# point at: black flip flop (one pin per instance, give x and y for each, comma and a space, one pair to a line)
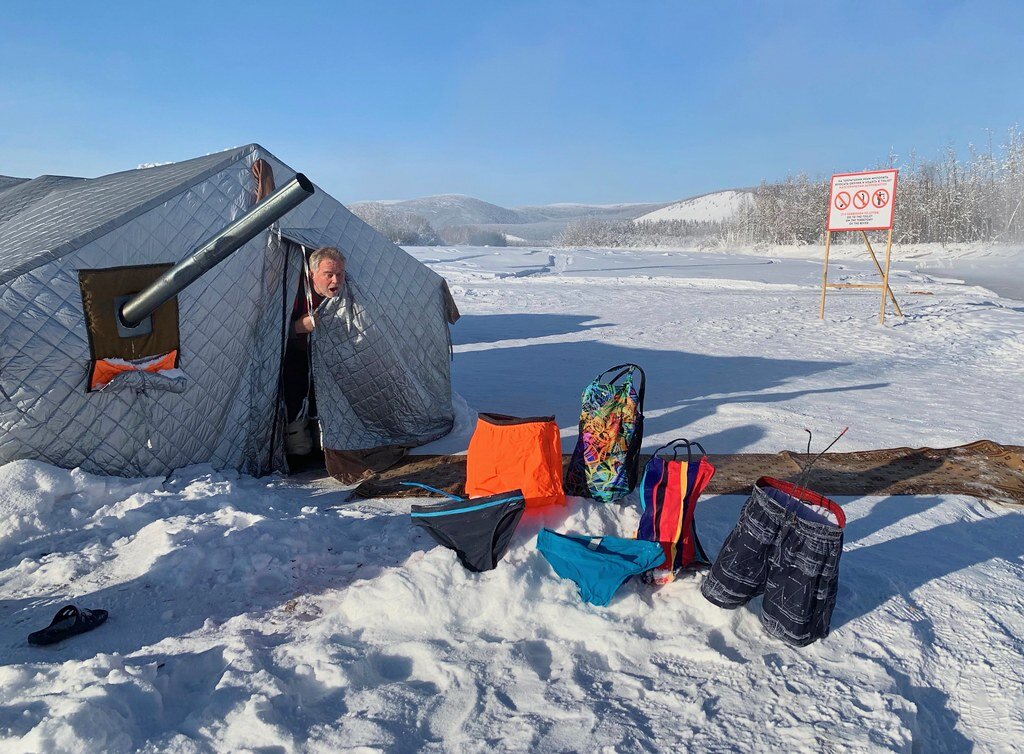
68, 621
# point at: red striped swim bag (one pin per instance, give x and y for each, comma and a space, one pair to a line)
669, 492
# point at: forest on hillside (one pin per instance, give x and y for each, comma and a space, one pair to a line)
948, 199
944, 200
410, 229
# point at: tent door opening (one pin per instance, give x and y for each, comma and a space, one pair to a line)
302, 444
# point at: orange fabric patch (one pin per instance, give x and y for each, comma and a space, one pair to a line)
508, 453
104, 370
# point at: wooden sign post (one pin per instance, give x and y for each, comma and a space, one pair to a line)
862, 202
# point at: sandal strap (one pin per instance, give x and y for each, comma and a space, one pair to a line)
68, 611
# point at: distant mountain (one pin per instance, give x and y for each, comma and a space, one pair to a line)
447, 210
543, 212
535, 224
715, 207
454, 216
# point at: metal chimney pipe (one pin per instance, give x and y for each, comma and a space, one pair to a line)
216, 250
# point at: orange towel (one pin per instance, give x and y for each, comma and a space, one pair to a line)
508, 453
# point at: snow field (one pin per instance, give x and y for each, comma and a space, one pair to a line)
733, 348
274, 615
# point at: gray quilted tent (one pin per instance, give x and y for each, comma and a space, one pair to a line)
381, 351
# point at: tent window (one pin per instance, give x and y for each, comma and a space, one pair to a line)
153, 345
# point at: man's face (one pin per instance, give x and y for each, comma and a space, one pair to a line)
328, 277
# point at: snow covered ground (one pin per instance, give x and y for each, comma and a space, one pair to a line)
733, 348
271, 615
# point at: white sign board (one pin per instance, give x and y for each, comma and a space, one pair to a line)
862, 201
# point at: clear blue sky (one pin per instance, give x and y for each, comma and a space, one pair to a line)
512, 102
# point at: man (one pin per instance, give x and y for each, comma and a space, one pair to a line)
350, 467
326, 278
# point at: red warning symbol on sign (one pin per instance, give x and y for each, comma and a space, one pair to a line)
842, 200
880, 198
860, 199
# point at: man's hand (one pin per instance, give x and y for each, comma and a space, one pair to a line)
305, 324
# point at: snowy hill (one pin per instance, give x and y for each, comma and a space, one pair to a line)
716, 206
543, 223
538, 224
572, 211
448, 210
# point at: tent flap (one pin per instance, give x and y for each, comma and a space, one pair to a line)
368, 393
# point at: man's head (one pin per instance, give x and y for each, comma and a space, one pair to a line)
327, 270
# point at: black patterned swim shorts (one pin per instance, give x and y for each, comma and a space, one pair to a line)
786, 545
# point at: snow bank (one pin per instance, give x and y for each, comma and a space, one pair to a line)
249, 614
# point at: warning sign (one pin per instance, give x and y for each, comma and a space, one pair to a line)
862, 201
